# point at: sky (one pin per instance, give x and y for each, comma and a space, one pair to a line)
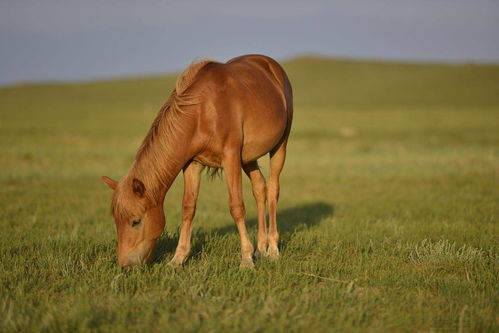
46, 40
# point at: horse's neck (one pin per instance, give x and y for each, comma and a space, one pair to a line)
157, 168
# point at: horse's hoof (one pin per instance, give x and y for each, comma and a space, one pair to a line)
174, 265
273, 254
176, 262
260, 253
247, 263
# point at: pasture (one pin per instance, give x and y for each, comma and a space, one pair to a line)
388, 211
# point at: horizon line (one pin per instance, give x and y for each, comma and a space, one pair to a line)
299, 56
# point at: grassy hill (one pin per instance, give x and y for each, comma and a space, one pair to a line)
388, 213
347, 84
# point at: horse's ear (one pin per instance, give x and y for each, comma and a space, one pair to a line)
111, 183
138, 187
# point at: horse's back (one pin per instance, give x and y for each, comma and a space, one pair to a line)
271, 68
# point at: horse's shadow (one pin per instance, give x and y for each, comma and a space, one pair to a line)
289, 220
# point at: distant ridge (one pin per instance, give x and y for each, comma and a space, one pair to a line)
333, 83
373, 60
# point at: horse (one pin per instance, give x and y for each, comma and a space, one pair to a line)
219, 115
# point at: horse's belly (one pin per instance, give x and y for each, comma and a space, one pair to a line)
254, 147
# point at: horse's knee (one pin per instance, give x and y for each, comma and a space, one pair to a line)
188, 211
238, 212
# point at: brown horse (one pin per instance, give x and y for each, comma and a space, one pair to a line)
221, 116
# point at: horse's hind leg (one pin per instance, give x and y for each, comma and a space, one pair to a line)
260, 194
277, 158
192, 177
232, 168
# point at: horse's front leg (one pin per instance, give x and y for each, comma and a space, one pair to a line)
232, 168
192, 177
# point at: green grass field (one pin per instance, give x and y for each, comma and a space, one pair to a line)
388, 215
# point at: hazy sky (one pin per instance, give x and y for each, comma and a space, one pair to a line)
82, 39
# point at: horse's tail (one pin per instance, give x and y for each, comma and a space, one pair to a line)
281, 76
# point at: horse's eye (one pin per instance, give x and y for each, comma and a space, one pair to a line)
135, 223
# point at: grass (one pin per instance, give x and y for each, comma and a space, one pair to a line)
388, 213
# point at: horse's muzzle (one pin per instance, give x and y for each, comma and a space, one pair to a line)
139, 255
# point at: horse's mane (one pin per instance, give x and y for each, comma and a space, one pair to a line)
173, 107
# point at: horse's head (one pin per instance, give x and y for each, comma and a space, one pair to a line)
139, 220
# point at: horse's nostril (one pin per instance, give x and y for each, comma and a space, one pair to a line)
137, 255
124, 261
132, 259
